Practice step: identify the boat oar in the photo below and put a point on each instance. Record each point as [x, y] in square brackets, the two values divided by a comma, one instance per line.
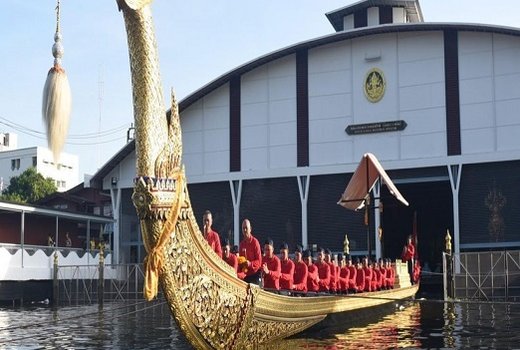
[56, 104]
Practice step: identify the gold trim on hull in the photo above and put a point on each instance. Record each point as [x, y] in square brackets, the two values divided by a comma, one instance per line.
[213, 308]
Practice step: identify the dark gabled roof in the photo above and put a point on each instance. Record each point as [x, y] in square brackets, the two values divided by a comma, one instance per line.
[97, 179]
[413, 9]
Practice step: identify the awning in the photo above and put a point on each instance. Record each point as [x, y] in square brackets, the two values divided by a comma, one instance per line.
[361, 183]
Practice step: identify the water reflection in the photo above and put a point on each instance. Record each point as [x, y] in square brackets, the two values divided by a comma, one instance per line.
[142, 325]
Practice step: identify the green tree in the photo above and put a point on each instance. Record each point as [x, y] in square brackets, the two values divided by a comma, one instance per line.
[28, 187]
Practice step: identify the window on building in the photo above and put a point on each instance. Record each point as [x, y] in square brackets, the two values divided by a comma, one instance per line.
[15, 164]
[35, 161]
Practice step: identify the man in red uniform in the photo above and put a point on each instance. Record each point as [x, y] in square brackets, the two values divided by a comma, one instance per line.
[352, 275]
[271, 269]
[360, 277]
[250, 249]
[343, 275]
[229, 257]
[333, 271]
[312, 273]
[300, 271]
[368, 274]
[287, 268]
[408, 256]
[211, 236]
[390, 274]
[323, 271]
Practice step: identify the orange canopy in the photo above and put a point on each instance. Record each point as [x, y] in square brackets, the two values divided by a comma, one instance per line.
[361, 183]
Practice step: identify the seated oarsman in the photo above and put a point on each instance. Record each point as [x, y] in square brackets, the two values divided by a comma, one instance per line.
[270, 267]
[287, 268]
[382, 277]
[376, 276]
[360, 277]
[343, 274]
[333, 277]
[229, 257]
[313, 277]
[390, 274]
[300, 271]
[368, 274]
[352, 274]
[323, 271]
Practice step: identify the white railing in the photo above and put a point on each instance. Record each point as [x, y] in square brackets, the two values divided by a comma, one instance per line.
[36, 262]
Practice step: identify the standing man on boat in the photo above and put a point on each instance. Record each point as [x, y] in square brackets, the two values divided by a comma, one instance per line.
[250, 249]
[211, 236]
[408, 256]
[271, 267]
[287, 268]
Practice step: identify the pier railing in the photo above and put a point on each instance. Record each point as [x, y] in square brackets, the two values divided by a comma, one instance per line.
[493, 275]
[86, 284]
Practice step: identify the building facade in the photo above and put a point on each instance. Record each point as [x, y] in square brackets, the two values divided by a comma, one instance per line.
[277, 139]
[14, 161]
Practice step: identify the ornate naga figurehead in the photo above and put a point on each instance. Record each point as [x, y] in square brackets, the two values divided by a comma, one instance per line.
[160, 182]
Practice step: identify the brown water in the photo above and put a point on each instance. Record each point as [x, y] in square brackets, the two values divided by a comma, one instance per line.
[140, 325]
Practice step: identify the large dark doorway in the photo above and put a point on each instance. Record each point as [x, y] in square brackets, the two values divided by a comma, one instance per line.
[432, 201]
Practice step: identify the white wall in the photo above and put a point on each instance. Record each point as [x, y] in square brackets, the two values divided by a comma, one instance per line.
[205, 133]
[268, 116]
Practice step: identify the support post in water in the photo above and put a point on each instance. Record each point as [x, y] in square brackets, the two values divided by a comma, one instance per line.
[55, 285]
[101, 279]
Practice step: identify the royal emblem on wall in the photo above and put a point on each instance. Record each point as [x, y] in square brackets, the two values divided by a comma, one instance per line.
[374, 85]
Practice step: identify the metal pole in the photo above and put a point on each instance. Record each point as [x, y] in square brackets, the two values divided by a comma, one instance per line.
[367, 213]
[22, 233]
[101, 276]
[55, 285]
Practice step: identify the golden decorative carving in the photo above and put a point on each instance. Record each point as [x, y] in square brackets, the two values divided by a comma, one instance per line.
[374, 85]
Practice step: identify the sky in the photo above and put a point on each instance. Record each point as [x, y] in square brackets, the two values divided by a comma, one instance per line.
[198, 41]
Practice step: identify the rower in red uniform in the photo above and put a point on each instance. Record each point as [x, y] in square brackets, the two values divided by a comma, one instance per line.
[360, 277]
[416, 271]
[312, 272]
[270, 267]
[333, 274]
[229, 257]
[343, 275]
[368, 274]
[300, 271]
[250, 249]
[287, 268]
[323, 271]
[211, 236]
[390, 274]
[352, 275]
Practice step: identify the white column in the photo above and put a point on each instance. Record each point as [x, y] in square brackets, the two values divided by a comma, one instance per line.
[236, 194]
[377, 217]
[455, 171]
[115, 196]
[303, 187]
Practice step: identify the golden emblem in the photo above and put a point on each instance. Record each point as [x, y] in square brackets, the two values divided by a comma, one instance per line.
[374, 85]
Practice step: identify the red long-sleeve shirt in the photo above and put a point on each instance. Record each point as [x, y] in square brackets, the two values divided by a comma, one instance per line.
[324, 275]
[286, 275]
[253, 254]
[343, 278]
[360, 279]
[214, 241]
[408, 252]
[312, 278]
[232, 261]
[352, 277]
[300, 276]
[272, 279]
